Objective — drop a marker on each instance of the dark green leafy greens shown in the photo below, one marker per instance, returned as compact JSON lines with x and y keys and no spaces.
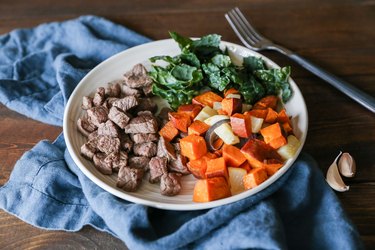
{"x":202,"y":63}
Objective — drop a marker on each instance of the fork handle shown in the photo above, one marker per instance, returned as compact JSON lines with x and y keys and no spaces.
{"x":356,"y":94}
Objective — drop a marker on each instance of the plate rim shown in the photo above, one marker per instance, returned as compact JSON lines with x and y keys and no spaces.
{"x":177,"y":206}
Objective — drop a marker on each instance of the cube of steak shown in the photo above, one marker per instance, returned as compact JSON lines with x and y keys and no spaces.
{"x":113,"y":89}
{"x":119,"y":117}
{"x":144,"y":124}
{"x":158,"y":167}
{"x":140,"y":138}
{"x":179,"y":165}
{"x":147,"y":90}
{"x":97,"y":115}
{"x":89,"y":149}
{"x":93,"y":135}
{"x":126,"y":143}
{"x":147,"y":149}
{"x":99,"y":97}
{"x":126,"y":103}
{"x":126,"y":90}
{"x":176,"y":146}
{"x":139,"y":162}
{"x":145,"y":104}
{"x":165,"y":149}
{"x":170,"y":184}
{"x":87,"y":102}
{"x":129,"y":179}
{"x":137,"y":77}
{"x":107,"y":144}
{"x":121,"y":161}
{"x":100,"y":164}
{"x":108,"y":128}
{"x":85,"y":127}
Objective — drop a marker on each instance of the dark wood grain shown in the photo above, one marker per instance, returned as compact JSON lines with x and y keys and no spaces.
{"x":338,"y":35}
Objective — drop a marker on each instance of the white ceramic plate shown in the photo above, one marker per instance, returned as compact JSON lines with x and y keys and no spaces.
{"x":149,"y":194}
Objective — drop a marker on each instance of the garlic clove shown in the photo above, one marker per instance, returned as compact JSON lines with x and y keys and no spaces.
{"x":334,"y":179}
{"x":347,"y":166}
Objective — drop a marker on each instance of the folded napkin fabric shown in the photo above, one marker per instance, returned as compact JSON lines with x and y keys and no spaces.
{"x":40,"y":67}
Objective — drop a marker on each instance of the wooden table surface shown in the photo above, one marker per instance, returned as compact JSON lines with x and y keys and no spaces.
{"x":339,"y":35}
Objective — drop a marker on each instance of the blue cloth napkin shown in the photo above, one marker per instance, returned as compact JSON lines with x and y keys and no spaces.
{"x":40,"y":67}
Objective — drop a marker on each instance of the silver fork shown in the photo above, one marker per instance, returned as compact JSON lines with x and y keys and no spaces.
{"x":255,"y":41}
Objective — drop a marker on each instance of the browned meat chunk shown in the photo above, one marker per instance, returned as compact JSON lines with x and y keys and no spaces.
{"x":119,"y":117}
{"x":97,"y":115}
{"x":129,"y":179}
{"x":158,"y":167}
{"x":108,"y":128}
{"x":139,"y":162}
{"x":93,"y":136}
{"x":147,"y":149}
{"x":89,"y":149}
{"x":126,"y":90}
{"x":99,"y":97}
{"x":113,"y":89}
{"x":126,"y":143}
{"x":179,"y":165}
{"x":87,"y":102}
{"x":170,"y":184}
{"x":125,"y":103}
{"x":120,"y":161}
{"x":107,"y":144}
{"x":147,"y":91}
{"x":141,"y":138}
{"x":145,"y":104}
{"x":165,"y":149}
{"x":137,"y":77}
{"x":85,"y":127}
{"x":145,"y":123}
{"x":101,"y":165}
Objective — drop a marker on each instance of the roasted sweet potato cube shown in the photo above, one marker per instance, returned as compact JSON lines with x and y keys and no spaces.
{"x":233,"y":156}
{"x":283,"y":117}
{"x":271,"y":116}
{"x":191,"y":109}
{"x":257,"y":152}
{"x":273,"y":136}
{"x":246,"y":165}
{"x":218,"y":143}
{"x":241,"y":125}
{"x":272,"y":168}
{"x":169,"y":132}
{"x":211,"y":189}
{"x":231,"y":91}
{"x":198,"y":128}
{"x":193,"y":147}
{"x":287,"y":128}
{"x":198,"y":167}
{"x":259,"y":113}
{"x":266,"y":102}
{"x":207,"y":99}
{"x":181,"y":121}
{"x":231,"y":105}
{"x":255,"y":177}
{"x":216,"y":167}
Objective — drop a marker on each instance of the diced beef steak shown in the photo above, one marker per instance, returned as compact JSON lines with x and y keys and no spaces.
{"x":120,"y":161}
{"x":85,"y":127}
{"x":129,"y":179}
{"x":101,"y":165}
{"x":107,"y":144}
{"x":89,"y":149}
{"x":126,"y":103}
{"x":97,"y":115}
{"x":126,"y":143}
{"x":179,"y":165}
{"x":165,"y":149}
{"x":147,"y":90}
{"x":137,"y":77}
{"x":87,"y":102}
{"x":144,"y":124}
{"x":158,"y":167}
{"x":140,"y":138}
{"x":147,"y":149}
{"x":126,"y":90}
{"x":108,"y":128}
{"x":139,"y":162}
{"x":145,"y":104}
{"x":170,"y":184}
{"x":113,"y":89}
{"x":99,"y":97}
{"x":119,"y":117}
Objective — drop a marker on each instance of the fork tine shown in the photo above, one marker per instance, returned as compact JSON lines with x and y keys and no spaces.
{"x":245,"y":39}
{"x":247,"y":24}
{"x":241,"y":27}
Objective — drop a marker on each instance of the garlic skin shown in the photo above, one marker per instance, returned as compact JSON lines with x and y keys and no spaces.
{"x":347,"y":165}
{"x":334,"y":179}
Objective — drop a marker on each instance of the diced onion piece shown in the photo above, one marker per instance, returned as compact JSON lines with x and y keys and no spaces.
{"x":235,"y":179}
{"x":256,"y":124}
{"x":225,"y":133}
{"x":205,"y":113}
{"x":215,"y":118}
{"x":217,"y":105}
{"x":289,"y":150}
{"x":237,"y":96}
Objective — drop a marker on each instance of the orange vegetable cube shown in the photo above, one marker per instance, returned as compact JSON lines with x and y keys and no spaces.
{"x":231,"y":91}
{"x":207,"y":99}
{"x":221,"y":112}
{"x":193,"y":147}
{"x":273,"y":136}
{"x":231,"y":105}
{"x":211,"y":189}
{"x":246,"y":165}
{"x":198,"y":167}
{"x":271,"y":116}
{"x":255,"y":177}
{"x":218,"y":143}
{"x":267,"y":102}
{"x":181,"y":121}
{"x":287,"y":128}
{"x":233,"y":156}
{"x":241,"y":125}
{"x":191,"y":109}
{"x":169,"y":132}
{"x":198,"y":128}
{"x":216,"y":168}
{"x":272,"y":168}
{"x":283,"y":117}
{"x":259,"y":113}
